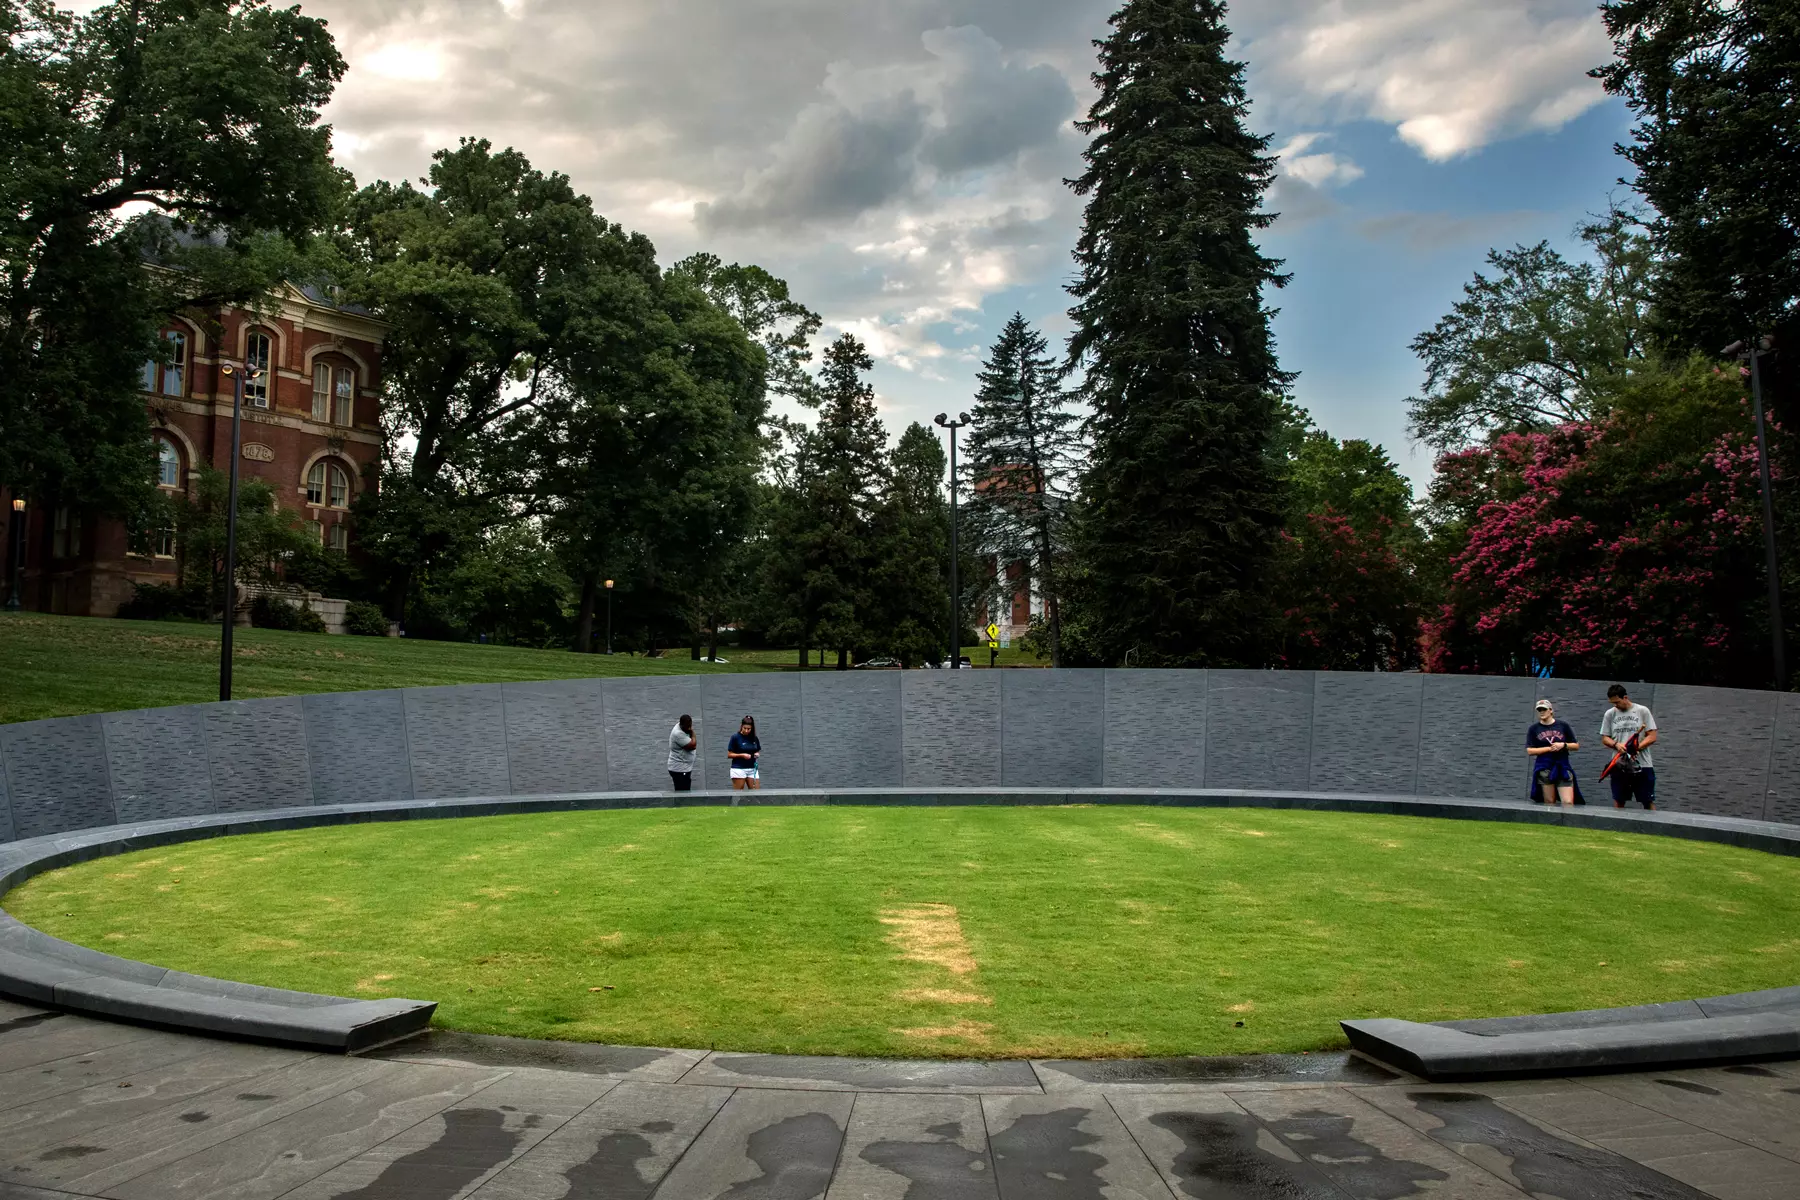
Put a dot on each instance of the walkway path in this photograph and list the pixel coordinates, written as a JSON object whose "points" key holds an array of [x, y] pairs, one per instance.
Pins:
{"points": [[90, 1108]]}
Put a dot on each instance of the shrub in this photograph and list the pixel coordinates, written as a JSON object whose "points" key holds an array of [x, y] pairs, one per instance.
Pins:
{"points": [[366, 619], [272, 612], [164, 602]]}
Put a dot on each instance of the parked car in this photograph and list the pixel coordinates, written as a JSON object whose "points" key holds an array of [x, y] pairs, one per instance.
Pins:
{"points": [[716, 660], [945, 665], [879, 663]]}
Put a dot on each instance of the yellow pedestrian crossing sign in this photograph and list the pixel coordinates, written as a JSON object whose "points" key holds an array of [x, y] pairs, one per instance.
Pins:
{"points": [[993, 632]]}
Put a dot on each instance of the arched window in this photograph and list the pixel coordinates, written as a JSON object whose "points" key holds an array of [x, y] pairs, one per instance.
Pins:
{"points": [[256, 356], [328, 485], [167, 378], [344, 414], [168, 463], [334, 394]]}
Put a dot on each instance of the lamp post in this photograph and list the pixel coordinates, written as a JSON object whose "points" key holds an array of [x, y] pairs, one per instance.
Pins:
{"points": [[15, 542], [1754, 350], [943, 421], [609, 591], [237, 374]]}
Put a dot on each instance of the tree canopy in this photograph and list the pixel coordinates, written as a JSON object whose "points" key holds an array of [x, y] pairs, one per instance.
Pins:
{"points": [[1716, 151], [204, 111], [1180, 501]]}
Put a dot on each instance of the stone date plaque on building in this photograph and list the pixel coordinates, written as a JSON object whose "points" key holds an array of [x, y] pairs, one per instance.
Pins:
{"points": [[257, 452]]}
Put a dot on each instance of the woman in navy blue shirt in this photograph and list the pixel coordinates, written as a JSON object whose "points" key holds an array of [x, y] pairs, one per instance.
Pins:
{"points": [[743, 752], [1548, 742]]}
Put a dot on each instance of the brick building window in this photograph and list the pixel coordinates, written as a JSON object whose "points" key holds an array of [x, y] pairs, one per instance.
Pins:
{"points": [[168, 463], [256, 356], [340, 537], [167, 378], [65, 534], [316, 531], [345, 410], [334, 394], [328, 485]]}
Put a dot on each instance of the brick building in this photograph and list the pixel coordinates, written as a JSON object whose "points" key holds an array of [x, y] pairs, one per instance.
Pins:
{"points": [[311, 427]]}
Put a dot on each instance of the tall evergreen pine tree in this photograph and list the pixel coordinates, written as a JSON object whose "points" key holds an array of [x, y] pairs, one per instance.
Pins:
{"points": [[1020, 459], [1181, 493], [824, 552]]}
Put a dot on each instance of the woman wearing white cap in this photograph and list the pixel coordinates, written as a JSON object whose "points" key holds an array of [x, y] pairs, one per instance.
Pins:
{"points": [[1548, 742]]}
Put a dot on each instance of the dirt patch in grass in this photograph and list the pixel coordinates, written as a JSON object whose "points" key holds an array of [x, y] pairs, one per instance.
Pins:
{"points": [[943, 996], [930, 933], [973, 1033]]}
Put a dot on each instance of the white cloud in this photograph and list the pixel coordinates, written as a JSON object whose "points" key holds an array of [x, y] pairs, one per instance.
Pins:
{"points": [[1450, 75], [1303, 180], [900, 162]]}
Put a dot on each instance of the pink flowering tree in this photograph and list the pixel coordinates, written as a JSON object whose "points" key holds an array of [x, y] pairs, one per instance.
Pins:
{"points": [[1629, 544]]}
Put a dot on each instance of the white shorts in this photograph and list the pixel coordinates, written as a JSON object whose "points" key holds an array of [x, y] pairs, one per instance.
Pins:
{"points": [[744, 773]]}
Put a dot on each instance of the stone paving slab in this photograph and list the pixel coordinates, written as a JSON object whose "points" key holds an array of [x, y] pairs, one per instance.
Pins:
{"points": [[818, 1073], [272, 1157], [443, 1047], [69, 1127], [35, 1084], [204, 1119], [465, 1145], [1766, 1117], [42, 1041], [620, 1148], [1367, 1152], [1071, 1147], [764, 1143], [1190, 1074], [1532, 1156], [96, 1145], [899, 1147]]}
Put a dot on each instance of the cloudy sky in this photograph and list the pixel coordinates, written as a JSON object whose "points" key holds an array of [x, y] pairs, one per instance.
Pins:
{"points": [[900, 162]]}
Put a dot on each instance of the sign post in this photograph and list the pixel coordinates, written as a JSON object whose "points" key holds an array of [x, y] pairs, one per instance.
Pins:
{"points": [[993, 633]]}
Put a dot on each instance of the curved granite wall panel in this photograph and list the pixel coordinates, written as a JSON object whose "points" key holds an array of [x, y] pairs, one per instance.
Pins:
{"points": [[850, 724], [1783, 803], [356, 747], [1726, 753]]}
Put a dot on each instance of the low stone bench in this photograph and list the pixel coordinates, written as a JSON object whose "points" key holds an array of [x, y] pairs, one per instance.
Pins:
{"points": [[45, 970], [1743, 1026]]}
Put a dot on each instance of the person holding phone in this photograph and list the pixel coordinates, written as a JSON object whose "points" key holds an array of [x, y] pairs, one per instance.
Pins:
{"points": [[682, 747], [744, 753], [1548, 742]]}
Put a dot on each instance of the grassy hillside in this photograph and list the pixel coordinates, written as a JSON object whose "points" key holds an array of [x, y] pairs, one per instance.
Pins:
{"points": [[63, 666]]}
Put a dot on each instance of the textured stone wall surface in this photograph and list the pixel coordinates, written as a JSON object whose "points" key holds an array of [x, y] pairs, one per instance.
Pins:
{"points": [[1722, 752]]}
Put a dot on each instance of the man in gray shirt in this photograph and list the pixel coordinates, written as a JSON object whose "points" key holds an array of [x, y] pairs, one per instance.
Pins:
{"points": [[1634, 776], [682, 744]]}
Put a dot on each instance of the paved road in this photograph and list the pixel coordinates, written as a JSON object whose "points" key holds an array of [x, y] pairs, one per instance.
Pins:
{"points": [[89, 1108]]}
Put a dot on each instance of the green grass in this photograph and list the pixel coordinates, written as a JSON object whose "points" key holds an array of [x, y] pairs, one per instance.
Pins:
{"points": [[1090, 931], [63, 666]]}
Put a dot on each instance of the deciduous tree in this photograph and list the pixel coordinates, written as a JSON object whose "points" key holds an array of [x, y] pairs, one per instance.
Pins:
{"points": [[206, 112]]}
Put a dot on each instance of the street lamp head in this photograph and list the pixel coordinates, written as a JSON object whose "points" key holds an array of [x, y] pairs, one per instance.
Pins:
{"points": [[18, 504], [609, 585], [940, 419], [962, 418]]}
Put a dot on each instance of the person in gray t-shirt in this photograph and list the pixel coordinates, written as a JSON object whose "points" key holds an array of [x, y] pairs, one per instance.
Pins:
{"points": [[682, 744], [1634, 776]]}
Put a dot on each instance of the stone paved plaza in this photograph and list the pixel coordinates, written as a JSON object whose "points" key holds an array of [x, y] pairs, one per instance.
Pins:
{"points": [[91, 1108]]}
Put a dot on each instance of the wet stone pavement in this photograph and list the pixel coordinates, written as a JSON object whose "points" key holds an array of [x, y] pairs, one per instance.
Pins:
{"points": [[91, 1109]]}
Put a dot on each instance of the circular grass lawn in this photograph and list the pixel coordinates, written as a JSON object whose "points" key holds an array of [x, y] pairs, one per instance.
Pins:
{"points": [[954, 932]]}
